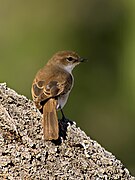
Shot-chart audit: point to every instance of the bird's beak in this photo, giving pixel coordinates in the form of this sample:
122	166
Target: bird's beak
81	59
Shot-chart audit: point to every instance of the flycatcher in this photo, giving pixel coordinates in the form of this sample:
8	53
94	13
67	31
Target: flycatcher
51	88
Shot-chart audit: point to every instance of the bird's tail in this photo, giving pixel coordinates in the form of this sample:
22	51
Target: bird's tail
50	120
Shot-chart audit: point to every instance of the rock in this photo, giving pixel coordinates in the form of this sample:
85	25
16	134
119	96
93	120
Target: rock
25	155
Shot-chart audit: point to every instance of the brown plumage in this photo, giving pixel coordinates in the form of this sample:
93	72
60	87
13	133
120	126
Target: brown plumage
50	120
51	87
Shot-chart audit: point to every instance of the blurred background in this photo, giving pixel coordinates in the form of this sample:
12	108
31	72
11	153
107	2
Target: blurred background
103	99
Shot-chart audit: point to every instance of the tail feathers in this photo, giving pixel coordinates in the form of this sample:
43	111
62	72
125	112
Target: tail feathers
50	120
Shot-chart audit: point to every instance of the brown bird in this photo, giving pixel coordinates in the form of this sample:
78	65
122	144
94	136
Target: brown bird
51	88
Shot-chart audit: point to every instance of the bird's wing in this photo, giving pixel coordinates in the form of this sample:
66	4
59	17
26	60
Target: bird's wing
42	90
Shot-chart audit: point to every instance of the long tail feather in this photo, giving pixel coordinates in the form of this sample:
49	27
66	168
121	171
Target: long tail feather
50	120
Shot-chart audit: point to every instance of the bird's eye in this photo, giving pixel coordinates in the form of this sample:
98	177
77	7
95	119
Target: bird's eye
69	59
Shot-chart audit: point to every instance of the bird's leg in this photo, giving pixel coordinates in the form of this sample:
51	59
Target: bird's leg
63	116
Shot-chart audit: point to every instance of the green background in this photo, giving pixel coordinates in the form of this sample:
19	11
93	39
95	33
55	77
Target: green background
102	101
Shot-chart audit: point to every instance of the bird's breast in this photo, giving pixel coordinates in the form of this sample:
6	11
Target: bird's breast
62	99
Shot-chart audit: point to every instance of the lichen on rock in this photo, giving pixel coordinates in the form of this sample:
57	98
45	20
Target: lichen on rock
25	155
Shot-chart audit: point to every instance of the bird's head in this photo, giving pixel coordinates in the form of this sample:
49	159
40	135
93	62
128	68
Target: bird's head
66	60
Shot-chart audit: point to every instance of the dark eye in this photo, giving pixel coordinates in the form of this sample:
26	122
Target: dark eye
70	58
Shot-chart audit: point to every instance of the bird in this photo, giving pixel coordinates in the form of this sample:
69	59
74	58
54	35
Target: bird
51	88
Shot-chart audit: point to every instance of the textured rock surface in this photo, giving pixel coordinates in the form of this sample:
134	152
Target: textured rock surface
25	155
